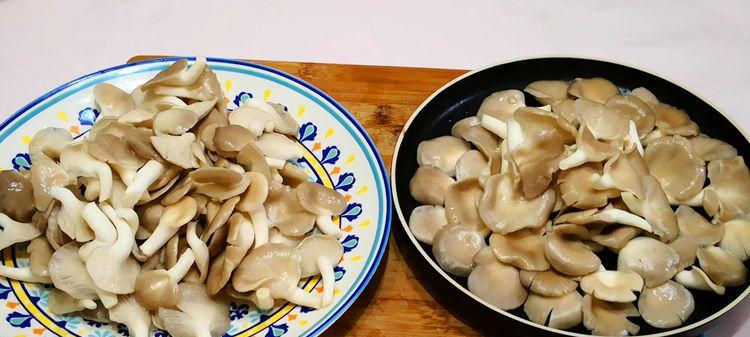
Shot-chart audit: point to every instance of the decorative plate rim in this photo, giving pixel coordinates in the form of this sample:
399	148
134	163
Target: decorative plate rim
380	173
431	262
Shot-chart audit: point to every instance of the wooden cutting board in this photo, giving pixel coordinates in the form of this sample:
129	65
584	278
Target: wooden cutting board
382	99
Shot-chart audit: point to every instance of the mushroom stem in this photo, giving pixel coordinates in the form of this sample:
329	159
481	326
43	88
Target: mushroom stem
23	274
143	179
182	267
158	238
515	135
327	226
633	137
87	303
108	299
260	226
14	231
495	126
199	249
275	163
303	298
577	158
104	230
615	215
326	272
262	299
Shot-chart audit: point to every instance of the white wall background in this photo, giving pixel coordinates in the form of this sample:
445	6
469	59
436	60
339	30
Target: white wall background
704	45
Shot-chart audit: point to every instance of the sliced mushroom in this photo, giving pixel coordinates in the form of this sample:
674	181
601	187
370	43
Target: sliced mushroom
442	152
655	261
562	312
696	278
609	319
548	92
673	121
485	277
613	285
523	249
596	89
504	210
567	254
655	208
548	283
461	200
666	153
454	248
722	267
666	306
278	146
634	109
429	185
578	191
425	221
737	238
17	194
319	253
727	197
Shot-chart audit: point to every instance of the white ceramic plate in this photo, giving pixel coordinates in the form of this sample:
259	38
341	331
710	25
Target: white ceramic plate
339	154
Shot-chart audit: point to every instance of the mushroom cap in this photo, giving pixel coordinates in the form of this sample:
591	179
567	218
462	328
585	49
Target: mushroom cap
155	289
665	155
722	267
608	319
276	145
487	142
578	191
696	278
271	263
176	149
612	285
633	108
692	224
68	273
608	215
588	149
112	101
207	127
442	152
666	306
737	238
484	281
562	312
655	208
459	128
523	249
548	283
313	246
319	199
567	254
45	174
604	123
548	92
284	208
256	194
429	185
471	164
461	200
40	253
502	104
113	150
646	96
504	211
613	236
174	121
565	109
686	247
673	121
292	175
655	261
454	248
199	315
728	195
711	149
596	89
17	194
49	142
251	159
425	221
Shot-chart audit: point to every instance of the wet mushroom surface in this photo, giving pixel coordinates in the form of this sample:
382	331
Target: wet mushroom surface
171	203
590	188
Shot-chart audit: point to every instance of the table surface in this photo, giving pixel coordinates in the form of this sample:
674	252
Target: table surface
700	44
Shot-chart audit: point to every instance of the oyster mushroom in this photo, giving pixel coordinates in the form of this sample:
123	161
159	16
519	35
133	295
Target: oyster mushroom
239	240
655	261
567	254
666	306
176	149
15	232
498	108
470	164
655	209
111	267
323	202
17	194
485	141
157	288
692	224
459	128
548	283
139	140
613	285
578	191
278	146
596	89
523	249
292	175
60	303
565	109
198	314
623	172
711	149
609	215
485	277
70	217
634	109
736	240
199	249
429	185
178	73
548	92
461	200
728	195
80	164
231	139
722	267
145	176
588	149
205	87
131	313
105	232
673	121
173	217
117	153
454	248
49	142
686	247
68	273
175	121
609	319
696	278
40	252
253	160
562	312
442	152
646	96
319	253
504	211
604	123
665	154
112	101
425	221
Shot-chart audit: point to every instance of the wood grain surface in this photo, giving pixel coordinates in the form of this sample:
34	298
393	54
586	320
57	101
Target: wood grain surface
382	99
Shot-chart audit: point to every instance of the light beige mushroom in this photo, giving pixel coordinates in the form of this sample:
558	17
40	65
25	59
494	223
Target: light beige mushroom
425	221
613	285
624	172
175	121
722	267
17	194
198	314
565	109
562	312
484	279
634	109
548	283
667	153
117	153
292	175
727	197
578	191
547	91
454	248
239	240
173	217
319	253
204	88
523	249
277	146
471	164
49	142
673	121
609	319
81	164
567	254
459	128
112	101
504	210
737	238
501	105
608	215
692	224
176	149
686	247
485	141
604	124
535	160
596	89
696	278
461	199
131	313
646	96
655	261
323	202
711	148
429	185
442	152
655	209
111	266
666	306
588	149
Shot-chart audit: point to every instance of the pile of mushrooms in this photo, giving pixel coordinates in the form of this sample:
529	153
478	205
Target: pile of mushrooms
521	200
169	207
